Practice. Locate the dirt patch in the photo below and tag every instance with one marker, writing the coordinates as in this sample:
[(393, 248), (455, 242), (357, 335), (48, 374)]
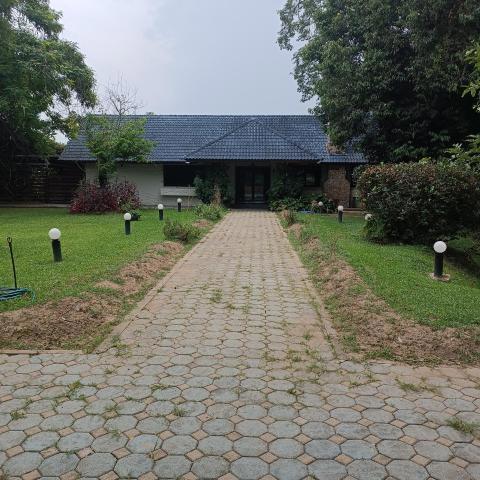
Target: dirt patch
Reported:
[(202, 223), (82, 322), (368, 325)]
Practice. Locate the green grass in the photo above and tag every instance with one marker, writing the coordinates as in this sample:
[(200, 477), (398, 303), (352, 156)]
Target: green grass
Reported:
[(94, 247), (400, 273)]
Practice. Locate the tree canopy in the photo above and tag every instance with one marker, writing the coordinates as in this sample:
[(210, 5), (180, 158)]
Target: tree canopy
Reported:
[(387, 73), (44, 80)]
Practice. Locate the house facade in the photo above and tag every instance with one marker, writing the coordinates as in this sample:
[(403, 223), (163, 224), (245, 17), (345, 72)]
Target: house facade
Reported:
[(249, 147)]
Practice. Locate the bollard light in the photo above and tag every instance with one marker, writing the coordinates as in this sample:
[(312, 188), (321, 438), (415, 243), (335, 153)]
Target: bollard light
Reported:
[(439, 248), (368, 217), (160, 211), (320, 206), (127, 217), (55, 235), (179, 204), (340, 213)]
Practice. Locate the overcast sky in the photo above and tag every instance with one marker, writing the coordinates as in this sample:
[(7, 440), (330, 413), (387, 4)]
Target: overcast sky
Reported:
[(188, 56)]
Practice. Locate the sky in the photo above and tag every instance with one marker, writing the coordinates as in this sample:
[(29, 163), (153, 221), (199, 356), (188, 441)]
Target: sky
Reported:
[(188, 56)]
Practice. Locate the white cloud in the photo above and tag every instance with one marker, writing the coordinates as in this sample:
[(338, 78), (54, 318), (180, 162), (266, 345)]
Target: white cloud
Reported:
[(188, 56)]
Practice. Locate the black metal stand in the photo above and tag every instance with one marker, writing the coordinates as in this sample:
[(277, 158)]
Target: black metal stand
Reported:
[(57, 251), (438, 268), (10, 246), (127, 227), (340, 216), (160, 215), (179, 206)]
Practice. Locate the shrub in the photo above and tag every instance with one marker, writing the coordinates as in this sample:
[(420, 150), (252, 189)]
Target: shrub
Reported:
[(288, 217), (90, 197), (304, 202), (209, 212), (178, 231), (419, 202), (214, 185)]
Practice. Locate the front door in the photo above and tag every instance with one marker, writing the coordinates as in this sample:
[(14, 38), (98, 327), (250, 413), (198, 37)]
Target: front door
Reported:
[(252, 184)]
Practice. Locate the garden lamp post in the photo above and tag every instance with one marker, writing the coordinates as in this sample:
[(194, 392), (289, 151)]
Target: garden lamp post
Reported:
[(160, 211), (340, 213), (368, 217), (320, 206), (55, 235), (179, 204), (127, 217), (439, 248)]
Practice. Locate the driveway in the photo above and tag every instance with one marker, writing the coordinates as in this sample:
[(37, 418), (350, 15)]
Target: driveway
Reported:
[(225, 371)]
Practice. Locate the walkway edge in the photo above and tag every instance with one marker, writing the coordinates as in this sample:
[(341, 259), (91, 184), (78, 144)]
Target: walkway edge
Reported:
[(121, 327)]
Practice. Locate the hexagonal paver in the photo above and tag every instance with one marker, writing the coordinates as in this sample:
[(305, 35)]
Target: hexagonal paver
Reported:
[(406, 470), (215, 445), (322, 449), (173, 466), (133, 466), (23, 463), (288, 469), (250, 447), (249, 468), (286, 448), (58, 464), (366, 470), (179, 444), (210, 467), (396, 449), (96, 464)]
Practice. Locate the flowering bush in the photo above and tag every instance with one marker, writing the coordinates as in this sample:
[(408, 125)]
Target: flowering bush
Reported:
[(419, 202), (113, 197)]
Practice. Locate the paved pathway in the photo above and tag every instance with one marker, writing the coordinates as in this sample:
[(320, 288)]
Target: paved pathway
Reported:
[(225, 374)]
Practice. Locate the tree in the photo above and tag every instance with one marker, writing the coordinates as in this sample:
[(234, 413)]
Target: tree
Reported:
[(387, 73), (44, 80), (113, 135)]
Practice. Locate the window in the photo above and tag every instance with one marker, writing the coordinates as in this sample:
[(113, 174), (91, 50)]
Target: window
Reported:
[(312, 176), (180, 175)]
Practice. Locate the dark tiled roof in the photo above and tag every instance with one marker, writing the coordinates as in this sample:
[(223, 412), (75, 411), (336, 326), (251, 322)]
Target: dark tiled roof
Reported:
[(178, 138)]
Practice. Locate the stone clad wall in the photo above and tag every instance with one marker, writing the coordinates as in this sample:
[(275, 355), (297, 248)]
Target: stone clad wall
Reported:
[(337, 186)]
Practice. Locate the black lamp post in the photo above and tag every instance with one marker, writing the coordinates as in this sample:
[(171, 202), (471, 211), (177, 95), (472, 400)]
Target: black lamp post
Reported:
[(440, 249), (179, 204), (127, 217), (160, 211), (340, 213), (55, 235), (320, 206)]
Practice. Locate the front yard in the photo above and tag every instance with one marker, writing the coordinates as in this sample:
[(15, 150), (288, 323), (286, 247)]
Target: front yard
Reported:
[(102, 275), (382, 298)]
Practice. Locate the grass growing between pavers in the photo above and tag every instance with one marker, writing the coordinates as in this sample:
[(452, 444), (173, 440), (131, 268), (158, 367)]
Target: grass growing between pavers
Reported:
[(103, 273), (382, 298)]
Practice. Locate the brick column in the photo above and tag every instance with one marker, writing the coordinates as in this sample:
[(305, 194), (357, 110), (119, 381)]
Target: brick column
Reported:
[(336, 186)]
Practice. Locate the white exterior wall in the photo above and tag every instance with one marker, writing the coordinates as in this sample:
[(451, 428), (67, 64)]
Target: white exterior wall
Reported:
[(148, 177)]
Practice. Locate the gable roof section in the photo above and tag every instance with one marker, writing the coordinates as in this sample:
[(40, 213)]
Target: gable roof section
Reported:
[(179, 138), (251, 141)]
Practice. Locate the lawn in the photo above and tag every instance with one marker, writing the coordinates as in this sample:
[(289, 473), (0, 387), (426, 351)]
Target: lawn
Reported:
[(94, 247), (399, 274)]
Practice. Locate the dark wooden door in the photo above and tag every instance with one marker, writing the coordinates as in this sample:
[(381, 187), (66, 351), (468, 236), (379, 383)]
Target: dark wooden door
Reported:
[(252, 184)]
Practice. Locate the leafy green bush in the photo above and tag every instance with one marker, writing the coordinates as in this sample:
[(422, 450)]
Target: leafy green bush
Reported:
[(178, 231), (419, 202), (304, 202), (210, 212), (214, 185)]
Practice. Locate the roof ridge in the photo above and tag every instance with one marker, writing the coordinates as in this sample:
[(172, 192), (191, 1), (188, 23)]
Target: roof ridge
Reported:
[(251, 120)]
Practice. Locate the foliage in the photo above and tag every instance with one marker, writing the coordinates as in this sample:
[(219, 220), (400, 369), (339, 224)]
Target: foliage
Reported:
[(389, 74), (111, 138), (286, 192), (469, 154), (43, 79), (288, 217), (419, 202), (213, 185), (90, 197), (210, 212), (182, 232)]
